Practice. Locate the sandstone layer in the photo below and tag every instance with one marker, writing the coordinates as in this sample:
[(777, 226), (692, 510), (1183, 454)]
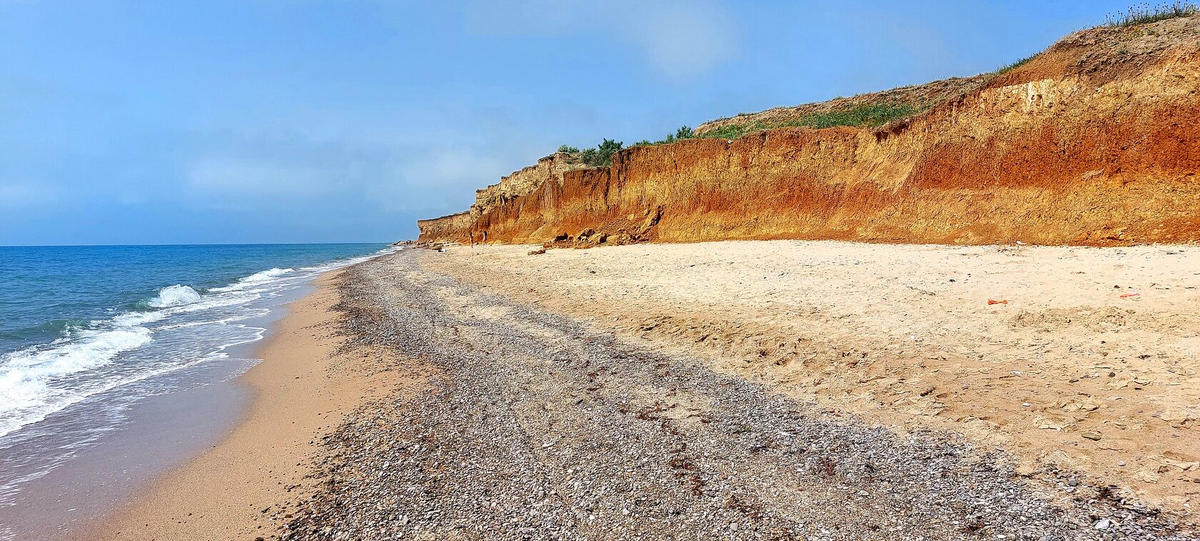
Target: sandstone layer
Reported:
[(1092, 142)]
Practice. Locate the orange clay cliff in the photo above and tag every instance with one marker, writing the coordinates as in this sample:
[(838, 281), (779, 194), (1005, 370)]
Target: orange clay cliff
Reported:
[(1095, 141)]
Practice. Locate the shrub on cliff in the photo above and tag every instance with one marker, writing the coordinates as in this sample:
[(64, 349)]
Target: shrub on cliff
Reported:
[(601, 156), (681, 134)]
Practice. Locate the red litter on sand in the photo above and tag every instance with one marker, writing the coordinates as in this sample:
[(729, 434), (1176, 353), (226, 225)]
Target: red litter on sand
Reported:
[(991, 302), (1133, 294)]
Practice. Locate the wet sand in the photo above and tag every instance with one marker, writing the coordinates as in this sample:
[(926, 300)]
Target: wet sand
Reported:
[(300, 390)]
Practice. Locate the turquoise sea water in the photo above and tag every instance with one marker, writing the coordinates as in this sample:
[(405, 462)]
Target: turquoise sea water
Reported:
[(87, 331)]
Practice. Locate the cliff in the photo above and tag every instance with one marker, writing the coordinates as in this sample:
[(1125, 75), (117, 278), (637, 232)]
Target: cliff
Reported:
[(525, 181), (1092, 142), (445, 229)]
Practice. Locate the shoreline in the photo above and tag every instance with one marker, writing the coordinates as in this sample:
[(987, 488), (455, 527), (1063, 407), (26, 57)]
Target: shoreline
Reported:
[(226, 490), (522, 405)]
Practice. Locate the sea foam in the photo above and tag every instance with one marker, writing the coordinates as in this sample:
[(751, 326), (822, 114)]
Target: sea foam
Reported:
[(253, 280), (25, 375), (176, 295)]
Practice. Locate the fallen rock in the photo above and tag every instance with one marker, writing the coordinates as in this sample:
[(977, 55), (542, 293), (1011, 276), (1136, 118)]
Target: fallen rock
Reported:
[(1051, 422)]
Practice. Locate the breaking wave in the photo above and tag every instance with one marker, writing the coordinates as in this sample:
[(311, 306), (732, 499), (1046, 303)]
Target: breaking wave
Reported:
[(176, 295)]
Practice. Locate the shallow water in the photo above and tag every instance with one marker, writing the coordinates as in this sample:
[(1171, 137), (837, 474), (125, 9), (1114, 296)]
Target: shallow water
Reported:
[(99, 344)]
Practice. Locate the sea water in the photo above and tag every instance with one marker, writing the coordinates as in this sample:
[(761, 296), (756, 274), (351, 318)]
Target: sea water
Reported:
[(89, 332)]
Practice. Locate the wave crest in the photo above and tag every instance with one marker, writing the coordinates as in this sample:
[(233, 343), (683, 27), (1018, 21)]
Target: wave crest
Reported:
[(256, 279), (176, 295)]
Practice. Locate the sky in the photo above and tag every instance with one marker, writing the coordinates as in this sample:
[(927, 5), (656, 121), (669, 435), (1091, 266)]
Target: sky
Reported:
[(340, 121)]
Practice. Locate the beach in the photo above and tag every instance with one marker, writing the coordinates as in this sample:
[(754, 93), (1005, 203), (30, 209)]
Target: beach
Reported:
[(732, 389), (1068, 357), (299, 390)]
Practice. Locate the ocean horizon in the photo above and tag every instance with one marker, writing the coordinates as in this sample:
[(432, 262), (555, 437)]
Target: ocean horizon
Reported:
[(87, 332)]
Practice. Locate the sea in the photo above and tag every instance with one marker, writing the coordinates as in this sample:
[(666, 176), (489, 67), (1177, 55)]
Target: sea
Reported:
[(92, 335)]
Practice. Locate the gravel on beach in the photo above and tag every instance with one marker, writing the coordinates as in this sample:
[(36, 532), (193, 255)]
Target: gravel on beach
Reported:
[(537, 427)]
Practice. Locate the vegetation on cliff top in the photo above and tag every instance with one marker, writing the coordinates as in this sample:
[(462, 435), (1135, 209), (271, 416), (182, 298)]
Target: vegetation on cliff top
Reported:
[(681, 134), (863, 115), (866, 111), (1145, 13), (1009, 67), (601, 156), (867, 115)]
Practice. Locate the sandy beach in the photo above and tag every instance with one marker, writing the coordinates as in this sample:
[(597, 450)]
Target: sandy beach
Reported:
[(301, 389), (1073, 358), (735, 389)]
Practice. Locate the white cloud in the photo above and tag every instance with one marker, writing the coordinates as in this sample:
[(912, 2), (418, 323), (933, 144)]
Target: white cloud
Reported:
[(400, 177), (436, 178), (681, 39), (27, 195), (228, 176)]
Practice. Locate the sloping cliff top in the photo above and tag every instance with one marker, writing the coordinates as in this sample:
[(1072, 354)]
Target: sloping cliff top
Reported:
[(916, 98), (1100, 54)]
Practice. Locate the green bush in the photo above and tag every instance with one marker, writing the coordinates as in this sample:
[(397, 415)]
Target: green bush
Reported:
[(601, 156), (683, 133)]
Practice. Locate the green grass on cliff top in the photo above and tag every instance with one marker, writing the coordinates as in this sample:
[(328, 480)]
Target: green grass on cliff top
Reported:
[(862, 115), (869, 115)]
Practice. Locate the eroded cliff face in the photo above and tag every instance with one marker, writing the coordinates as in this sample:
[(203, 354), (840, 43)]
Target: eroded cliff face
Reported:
[(520, 183), (445, 229), (1095, 141)]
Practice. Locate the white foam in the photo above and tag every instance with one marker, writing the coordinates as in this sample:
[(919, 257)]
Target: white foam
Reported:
[(39, 381), (208, 302), (256, 279), (25, 375), (266, 275), (176, 295)]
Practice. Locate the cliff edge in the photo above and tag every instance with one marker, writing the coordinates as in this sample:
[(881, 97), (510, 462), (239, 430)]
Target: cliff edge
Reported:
[(1094, 141)]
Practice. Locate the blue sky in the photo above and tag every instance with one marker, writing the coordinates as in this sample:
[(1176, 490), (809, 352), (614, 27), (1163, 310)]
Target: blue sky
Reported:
[(314, 121)]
